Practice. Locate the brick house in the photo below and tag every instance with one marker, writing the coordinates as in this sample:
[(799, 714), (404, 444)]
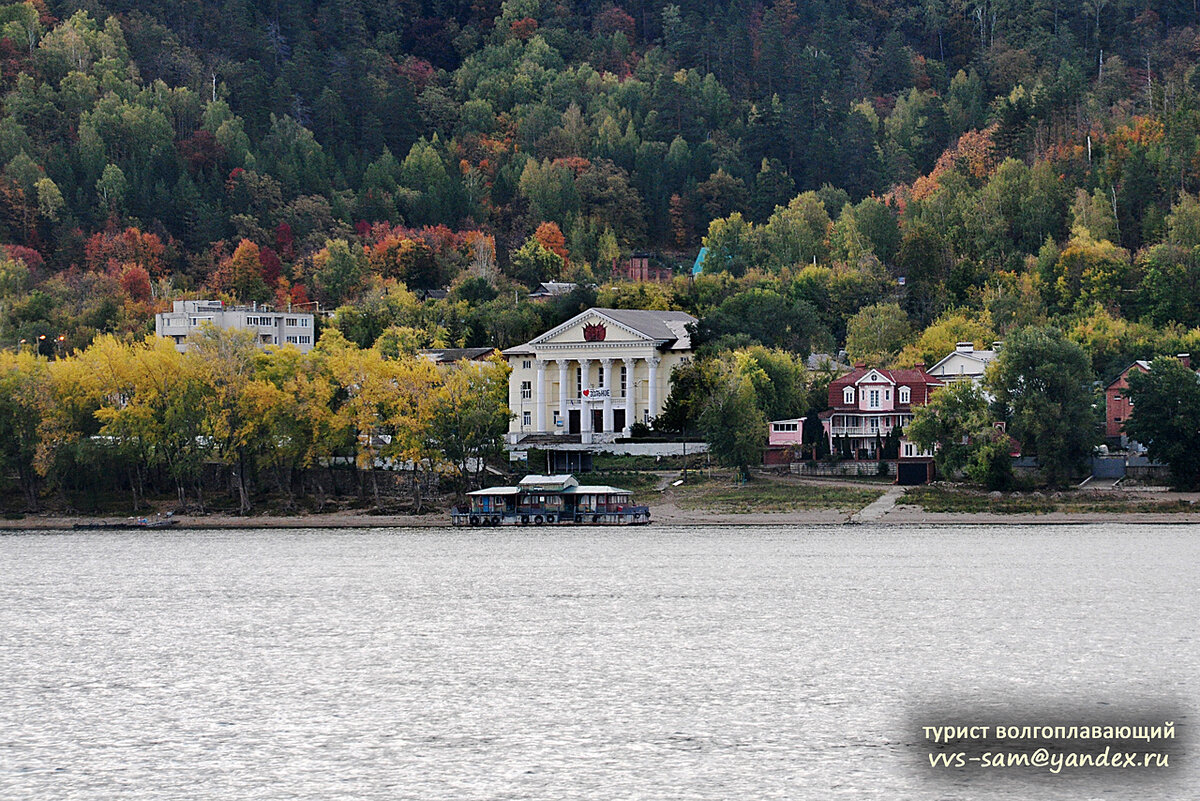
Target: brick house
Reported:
[(1118, 407), (638, 267), (867, 403)]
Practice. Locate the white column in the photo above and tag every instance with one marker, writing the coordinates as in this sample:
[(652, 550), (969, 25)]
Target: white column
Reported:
[(563, 366), (653, 361), (608, 382), (630, 389), (539, 411), (585, 409)]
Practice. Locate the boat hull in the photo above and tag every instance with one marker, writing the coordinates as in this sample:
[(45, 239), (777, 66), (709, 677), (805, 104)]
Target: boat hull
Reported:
[(632, 517)]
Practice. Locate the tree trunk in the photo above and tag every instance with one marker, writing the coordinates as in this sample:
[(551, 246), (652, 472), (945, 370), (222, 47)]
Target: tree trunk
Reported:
[(243, 495), (29, 487)]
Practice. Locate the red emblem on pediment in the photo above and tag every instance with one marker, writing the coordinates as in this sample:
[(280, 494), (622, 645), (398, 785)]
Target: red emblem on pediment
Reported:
[(594, 332)]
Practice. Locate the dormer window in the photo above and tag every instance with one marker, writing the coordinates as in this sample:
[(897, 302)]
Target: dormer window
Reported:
[(905, 395), (848, 395)]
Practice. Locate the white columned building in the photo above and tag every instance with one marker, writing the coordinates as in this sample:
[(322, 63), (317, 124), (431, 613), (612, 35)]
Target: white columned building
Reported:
[(614, 369), (539, 408)]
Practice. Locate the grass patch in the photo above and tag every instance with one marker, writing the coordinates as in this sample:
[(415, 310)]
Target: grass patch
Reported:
[(630, 464), (964, 500), (640, 484), (764, 496)]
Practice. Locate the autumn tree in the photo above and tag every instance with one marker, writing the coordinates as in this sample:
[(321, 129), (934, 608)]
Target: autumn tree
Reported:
[(241, 275), (551, 238)]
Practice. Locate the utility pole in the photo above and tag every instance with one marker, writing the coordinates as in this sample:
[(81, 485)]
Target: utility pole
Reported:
[(685, 448)]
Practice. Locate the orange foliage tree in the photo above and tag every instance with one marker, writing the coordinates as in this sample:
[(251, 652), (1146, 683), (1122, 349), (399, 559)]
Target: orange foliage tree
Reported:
[(552, 239), (241, 274), (109, 251), (135, 283)]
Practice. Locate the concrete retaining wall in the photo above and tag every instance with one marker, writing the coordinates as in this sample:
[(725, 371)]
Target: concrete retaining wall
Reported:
[(627, 448), (841, 468)]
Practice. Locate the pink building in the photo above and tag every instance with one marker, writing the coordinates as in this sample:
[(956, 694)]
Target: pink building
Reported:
[(784, 440), (866, 404), (787, 432)]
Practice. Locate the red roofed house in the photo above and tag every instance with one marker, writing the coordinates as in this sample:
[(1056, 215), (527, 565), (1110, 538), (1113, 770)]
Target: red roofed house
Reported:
[(867, 403)]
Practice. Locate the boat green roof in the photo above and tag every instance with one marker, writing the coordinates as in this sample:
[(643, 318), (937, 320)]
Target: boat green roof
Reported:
[(559, 483)]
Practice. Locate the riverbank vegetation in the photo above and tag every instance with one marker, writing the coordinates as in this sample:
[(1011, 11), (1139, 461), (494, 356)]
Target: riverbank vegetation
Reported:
[(964, 500), (146, 420)]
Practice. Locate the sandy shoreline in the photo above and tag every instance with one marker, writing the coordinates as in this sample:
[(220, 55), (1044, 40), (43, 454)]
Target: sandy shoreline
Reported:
[(667, 515), (888, 511)]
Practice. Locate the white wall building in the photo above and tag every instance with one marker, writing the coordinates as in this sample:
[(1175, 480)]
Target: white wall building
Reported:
[(596, 374), (964, 363), (271, 327)]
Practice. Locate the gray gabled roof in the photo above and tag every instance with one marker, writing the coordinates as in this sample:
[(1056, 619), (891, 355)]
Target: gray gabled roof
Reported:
[(983, 357), (664, 325), (451, 355)]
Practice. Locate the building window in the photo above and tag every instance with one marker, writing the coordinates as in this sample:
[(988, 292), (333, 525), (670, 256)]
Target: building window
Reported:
[(557, 420), (526, 390), (908, 449), (873, 399), (887, 394), (305, 339), (579, 382), (905, 395), (304, 322), (526, 364), (291, 322), (526, 418), (292, 340), (848, 395), (624, 381)]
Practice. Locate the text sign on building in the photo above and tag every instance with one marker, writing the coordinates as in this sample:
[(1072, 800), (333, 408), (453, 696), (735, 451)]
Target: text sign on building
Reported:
[(593, 392)]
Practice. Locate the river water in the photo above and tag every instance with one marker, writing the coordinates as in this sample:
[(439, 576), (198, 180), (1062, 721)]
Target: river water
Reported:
[(716, 663)]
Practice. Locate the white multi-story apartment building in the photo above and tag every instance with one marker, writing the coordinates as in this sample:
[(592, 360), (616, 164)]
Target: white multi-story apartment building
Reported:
[(596, 374), (271, 327)]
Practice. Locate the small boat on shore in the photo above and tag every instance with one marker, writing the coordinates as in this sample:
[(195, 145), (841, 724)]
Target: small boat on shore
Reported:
[(550, 501), (125, 525)]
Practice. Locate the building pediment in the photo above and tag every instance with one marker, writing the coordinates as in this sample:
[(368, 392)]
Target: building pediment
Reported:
[(589, 328), (874, 377)]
